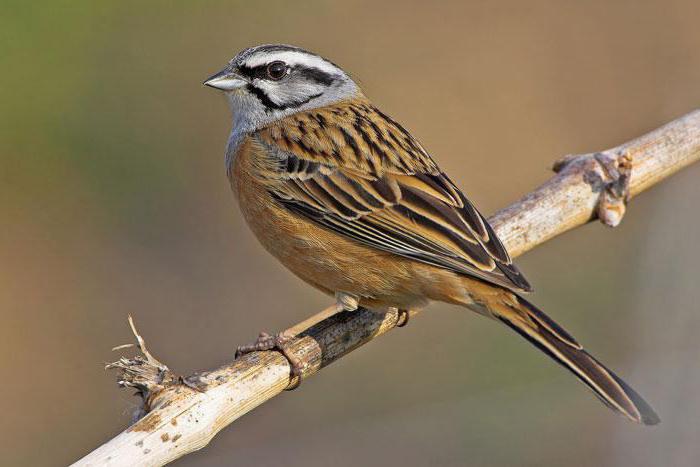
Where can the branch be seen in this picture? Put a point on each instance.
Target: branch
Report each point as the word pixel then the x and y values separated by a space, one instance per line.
pixel 571 198
pixel 180 415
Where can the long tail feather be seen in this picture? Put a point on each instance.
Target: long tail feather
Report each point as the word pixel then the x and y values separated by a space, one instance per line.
pixel 531 323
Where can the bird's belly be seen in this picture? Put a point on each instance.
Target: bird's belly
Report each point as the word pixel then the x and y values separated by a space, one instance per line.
pixel 323 259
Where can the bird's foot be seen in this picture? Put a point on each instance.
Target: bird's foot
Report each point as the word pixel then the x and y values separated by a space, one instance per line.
pixel 280 342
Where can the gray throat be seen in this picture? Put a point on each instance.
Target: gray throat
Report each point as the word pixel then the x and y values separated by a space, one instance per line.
pixel 237 136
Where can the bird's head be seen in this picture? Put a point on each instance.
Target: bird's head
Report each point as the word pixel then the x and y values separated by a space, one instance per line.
pixel 269 82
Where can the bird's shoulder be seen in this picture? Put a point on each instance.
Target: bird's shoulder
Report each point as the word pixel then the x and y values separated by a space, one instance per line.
pixel 353 135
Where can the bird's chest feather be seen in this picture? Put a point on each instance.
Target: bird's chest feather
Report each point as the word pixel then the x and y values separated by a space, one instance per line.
pixel 252 177
pixel 300 245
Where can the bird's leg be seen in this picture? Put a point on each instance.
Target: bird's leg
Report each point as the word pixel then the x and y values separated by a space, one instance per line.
pixel 403 317
pixel 346 301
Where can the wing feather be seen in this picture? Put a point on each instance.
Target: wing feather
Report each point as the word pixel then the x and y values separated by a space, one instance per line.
pixel 354 170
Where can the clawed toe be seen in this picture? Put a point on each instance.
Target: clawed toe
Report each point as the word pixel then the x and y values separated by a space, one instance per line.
pixel 264 342
pixel 280 342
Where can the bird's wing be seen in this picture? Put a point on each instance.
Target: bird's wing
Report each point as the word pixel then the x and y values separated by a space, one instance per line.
pixel 357 172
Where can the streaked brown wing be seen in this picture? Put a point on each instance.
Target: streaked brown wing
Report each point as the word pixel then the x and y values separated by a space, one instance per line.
pixel 371 181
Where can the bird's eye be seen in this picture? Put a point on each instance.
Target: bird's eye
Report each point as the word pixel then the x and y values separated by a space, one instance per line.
pixel 276 70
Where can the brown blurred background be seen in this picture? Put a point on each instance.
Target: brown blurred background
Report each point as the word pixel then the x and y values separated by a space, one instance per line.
pixel 113 200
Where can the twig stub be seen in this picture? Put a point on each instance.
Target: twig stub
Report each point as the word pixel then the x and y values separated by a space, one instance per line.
pixel 612 204
pixel 144 373
pixel 607 174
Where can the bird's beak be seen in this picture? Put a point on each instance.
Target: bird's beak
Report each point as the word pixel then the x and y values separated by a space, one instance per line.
pixel 225 80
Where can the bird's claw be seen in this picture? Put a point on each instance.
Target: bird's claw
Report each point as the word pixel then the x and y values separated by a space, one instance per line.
pixel 280 342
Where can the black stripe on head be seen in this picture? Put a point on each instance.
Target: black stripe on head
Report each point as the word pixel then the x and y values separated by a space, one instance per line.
pixel 262 97
pixel 310 73
pixel 269 48
pixel 278 48
pixel 270 105
pixel 259 71
pixel 245 54
pixel 316 75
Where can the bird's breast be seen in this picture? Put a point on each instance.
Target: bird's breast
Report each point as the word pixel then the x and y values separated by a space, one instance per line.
pixel 324 259
pixel 298 244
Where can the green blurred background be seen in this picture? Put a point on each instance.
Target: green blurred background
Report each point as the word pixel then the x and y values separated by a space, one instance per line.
pixel 113 200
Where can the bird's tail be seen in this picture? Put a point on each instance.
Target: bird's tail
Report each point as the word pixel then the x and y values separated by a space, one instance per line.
pixel 531 323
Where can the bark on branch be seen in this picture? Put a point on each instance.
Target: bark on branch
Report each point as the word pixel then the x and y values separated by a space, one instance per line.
pixel 180 415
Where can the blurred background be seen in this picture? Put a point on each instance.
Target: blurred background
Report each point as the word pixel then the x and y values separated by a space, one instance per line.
pixel 114 200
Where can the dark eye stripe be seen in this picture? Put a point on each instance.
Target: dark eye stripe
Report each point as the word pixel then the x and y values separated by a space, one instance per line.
pixel 315 75
pixel 308 73
pixel 259 71
pixel 312 74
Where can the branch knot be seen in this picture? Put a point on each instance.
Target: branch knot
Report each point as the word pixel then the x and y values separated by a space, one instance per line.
pixel 612 203
pixel 608 175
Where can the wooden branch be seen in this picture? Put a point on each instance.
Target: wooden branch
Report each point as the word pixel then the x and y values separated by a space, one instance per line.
pixel 570 199
pixel 181 415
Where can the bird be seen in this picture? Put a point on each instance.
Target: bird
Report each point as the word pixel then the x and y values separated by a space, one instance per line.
pixel 352 203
